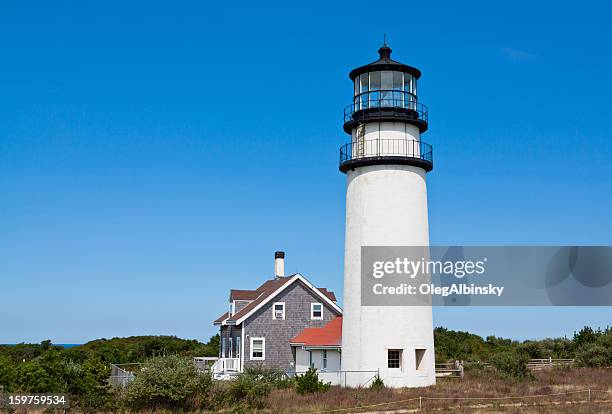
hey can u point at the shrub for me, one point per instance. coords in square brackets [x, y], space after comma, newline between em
[512, 365]
[251, 387]
[171, 382]
[309, 382]
[533, 348]
[377, 384]
[593, 355]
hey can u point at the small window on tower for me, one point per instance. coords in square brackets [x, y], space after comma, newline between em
[365, 88]
[398, 86]
[374, 81]
[394, 358]
[419, 355]
[386, 94]
[408, 83]
[365, 82]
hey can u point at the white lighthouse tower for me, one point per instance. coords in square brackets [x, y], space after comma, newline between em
[386, 205]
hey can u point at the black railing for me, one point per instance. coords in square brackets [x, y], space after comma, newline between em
[385, 151]
[383, 103]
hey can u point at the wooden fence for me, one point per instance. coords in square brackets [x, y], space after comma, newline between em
[455, 369]
[537, 364]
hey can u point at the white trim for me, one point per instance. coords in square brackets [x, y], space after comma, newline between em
[262, 358]
[294, 278]
[274, 310]
[215, 323]
[312, 317]
[242, 350]
[307, 347]
[324, 359]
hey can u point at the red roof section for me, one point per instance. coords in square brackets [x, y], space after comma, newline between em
[329, 335]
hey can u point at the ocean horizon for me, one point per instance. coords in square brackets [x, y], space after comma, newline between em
[28, 343]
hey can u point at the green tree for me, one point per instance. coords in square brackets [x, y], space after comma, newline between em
[586, 336]
[512, 365]
[594, 355]
[7, 373]
[31, 376]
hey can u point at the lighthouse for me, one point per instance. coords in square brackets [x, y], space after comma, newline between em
[385, 164]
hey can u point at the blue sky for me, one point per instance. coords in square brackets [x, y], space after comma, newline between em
[154, 155]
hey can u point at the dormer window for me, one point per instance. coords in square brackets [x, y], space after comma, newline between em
[278, 310]
[316, 311]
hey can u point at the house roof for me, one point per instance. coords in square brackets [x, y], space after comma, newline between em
[328, 293]
[238, 294]
[221, 318]
[265, 292]
[329, 335]
[242, 294]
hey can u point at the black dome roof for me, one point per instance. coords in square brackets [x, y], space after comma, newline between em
[384, 63]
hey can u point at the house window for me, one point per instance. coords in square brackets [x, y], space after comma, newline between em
[237, 347]
[310, 362]
[325, 359]
[316, 311]
[394, 358]
[230, 351]
[419, 356]
[258, 349]
[278, 310]
[223, 347]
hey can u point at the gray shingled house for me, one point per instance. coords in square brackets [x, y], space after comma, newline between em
[260, 325]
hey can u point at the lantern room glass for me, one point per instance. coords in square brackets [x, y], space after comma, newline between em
[385, 89]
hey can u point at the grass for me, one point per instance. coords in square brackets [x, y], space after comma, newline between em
[481, 384]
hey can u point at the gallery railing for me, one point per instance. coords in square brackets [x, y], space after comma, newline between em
[372, 151]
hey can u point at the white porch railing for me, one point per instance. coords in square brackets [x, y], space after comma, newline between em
[204, 364]
[226, 365]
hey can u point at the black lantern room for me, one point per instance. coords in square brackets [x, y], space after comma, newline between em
[385, 91]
